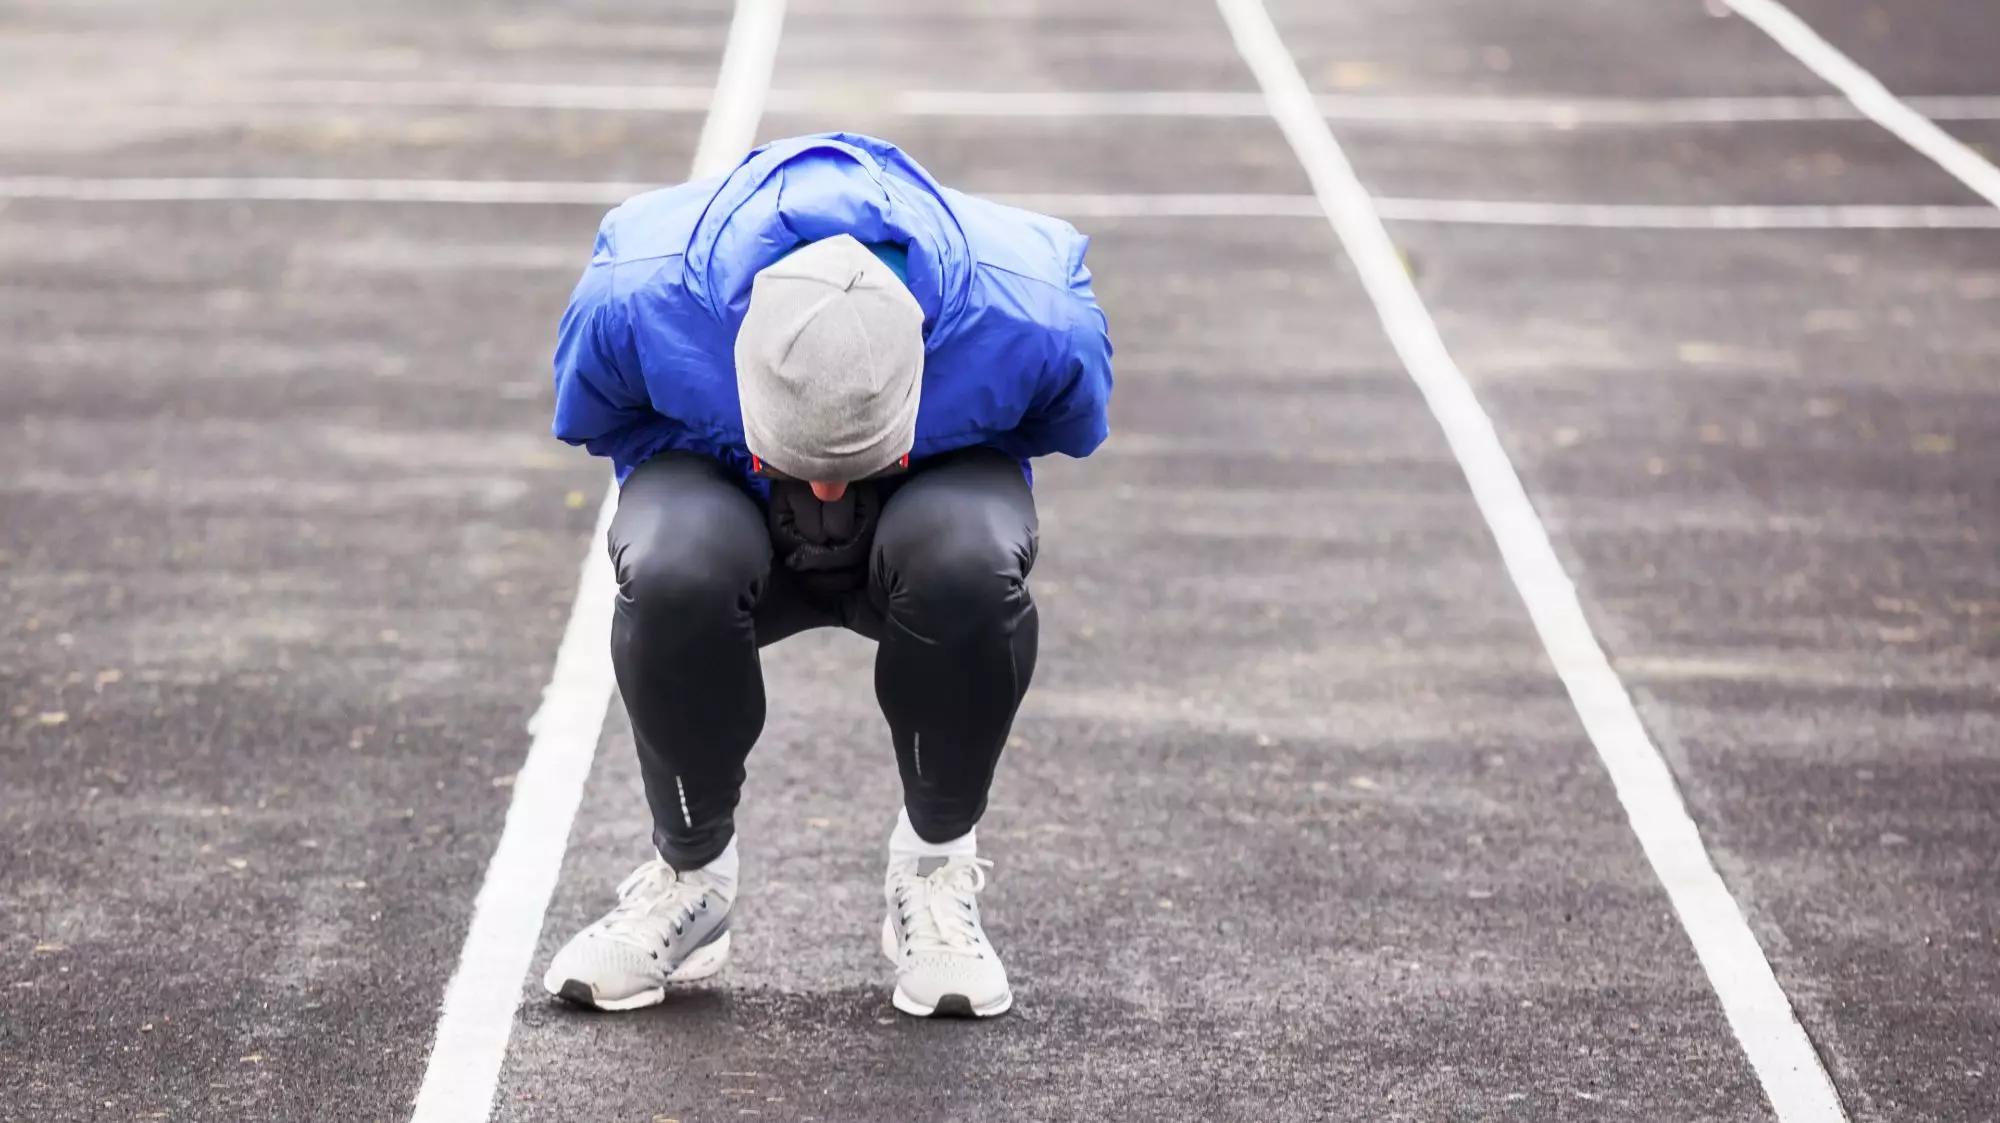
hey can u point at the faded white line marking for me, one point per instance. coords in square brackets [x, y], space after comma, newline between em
[1488, 212]
[1347, 108]
[1871, 97]
[482, 95]
[1567, 113]
[1066, 205]
[1474, 212]
[1655, 216]
[300, 190]
[741, 87]
[477, 1015]
[1755, 1005]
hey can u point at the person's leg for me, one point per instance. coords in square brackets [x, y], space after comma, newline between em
[949, 573]
[693, 558]
[957, 648]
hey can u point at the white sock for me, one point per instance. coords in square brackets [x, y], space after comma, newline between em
[904, 843]
[721, 873]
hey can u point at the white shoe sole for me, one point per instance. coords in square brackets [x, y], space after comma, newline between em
[961, 1008]
[705, 962]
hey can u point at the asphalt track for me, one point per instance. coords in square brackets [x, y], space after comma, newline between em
[1299, 823]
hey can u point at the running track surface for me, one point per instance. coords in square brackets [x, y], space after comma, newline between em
[1299, 822]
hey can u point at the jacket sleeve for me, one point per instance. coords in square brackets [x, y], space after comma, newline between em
[1071, 412]
[601, 400]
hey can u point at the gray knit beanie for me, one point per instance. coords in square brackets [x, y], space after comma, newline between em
[829, 363]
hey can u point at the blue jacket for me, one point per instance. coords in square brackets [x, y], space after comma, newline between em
[1016, 351]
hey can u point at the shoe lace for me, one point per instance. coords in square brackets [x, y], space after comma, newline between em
[938, 910]
[650, 893]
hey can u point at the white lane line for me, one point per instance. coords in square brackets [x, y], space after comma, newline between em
[822, 102]
[1576, 112]
[1756, 1007]
[1566, 113]
[1956, 108]
[1562, 113]
[1871, 97]
[1076, 206]
[1469, 212]
[1490, 212]
[287, 189]
[741, 87]
[486, 95]
[1650, 216]
[1069, 104]
[477, 1015]
[1346, 108]
[480, 95]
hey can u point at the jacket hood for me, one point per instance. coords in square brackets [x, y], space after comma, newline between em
[808, 188]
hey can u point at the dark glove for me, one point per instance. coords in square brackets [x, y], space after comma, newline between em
[826, 544]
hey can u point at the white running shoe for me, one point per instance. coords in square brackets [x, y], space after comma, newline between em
[944, 964]
[667, 928]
